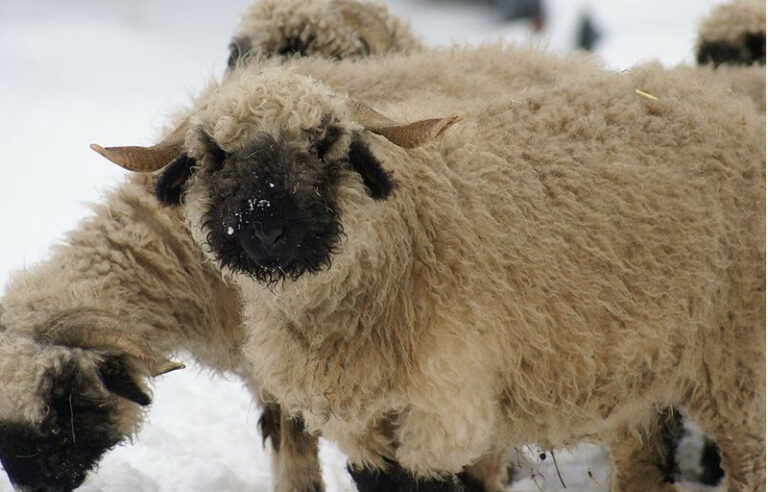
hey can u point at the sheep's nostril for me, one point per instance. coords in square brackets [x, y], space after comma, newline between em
[269, 237]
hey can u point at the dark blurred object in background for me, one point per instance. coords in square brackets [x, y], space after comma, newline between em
[532, 10]
[587, 35]
[587, 32]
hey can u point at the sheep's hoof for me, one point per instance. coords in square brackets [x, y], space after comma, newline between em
[398, 479]
[81, 421]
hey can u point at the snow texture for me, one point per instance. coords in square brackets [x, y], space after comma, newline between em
[78, 71]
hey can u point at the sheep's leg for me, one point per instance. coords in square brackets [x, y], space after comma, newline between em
[644, 462]
[739, 431]
[295, 467]
[490, 473]
[395, 478]
[487, 474]
[743, 457]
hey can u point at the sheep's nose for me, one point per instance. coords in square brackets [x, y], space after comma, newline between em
[263, 244]
[268, 237]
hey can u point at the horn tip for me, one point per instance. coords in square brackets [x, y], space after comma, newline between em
[98, 149]
[167, 367]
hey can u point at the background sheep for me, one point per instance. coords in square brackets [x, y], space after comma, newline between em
[385, 327]
[732, 40]
[349, 29]
[733, 33]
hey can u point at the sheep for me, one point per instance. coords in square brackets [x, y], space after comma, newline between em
[65, 319]
[733, 33]
[329, 28]
[71, 293]
[297, 40]
[731, 44]
[579, 254]
[535, 76]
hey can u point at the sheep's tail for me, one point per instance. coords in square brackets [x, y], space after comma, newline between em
[733, 33]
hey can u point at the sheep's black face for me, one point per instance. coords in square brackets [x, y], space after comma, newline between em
[271, 212]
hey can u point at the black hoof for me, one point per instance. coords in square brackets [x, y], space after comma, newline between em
[397, 479]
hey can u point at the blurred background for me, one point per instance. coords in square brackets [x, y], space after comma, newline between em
[74, 72]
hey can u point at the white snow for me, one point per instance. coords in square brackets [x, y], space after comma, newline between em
[78, 71]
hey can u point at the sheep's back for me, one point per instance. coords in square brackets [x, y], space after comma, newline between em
[593, 232]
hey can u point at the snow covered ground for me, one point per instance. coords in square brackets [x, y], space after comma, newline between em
[78, 71]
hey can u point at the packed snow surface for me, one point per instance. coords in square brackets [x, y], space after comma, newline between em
[78, 71]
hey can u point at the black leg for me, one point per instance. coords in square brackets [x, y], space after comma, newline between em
[396, 479]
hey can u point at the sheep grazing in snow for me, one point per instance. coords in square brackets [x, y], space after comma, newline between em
[582, 252]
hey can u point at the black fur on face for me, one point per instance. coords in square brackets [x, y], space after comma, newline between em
[750, 50]
[272, 212]
[76, 431]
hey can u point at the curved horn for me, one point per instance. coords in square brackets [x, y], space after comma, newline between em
[405, 135]
[146, 159]
[139, 159]
[364, 19]
[92, 329]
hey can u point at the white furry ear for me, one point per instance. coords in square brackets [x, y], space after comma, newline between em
[406, 135]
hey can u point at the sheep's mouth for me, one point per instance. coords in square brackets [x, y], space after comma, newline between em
[269, 253]
[272, 270]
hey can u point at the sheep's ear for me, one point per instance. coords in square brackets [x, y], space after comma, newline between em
[376, 179]
[171, 182]
[406, 135]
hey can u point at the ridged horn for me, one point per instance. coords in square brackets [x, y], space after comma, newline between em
[146, 159]
[364, 19]
[93, 329]
[139, 159]
[406, 135]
